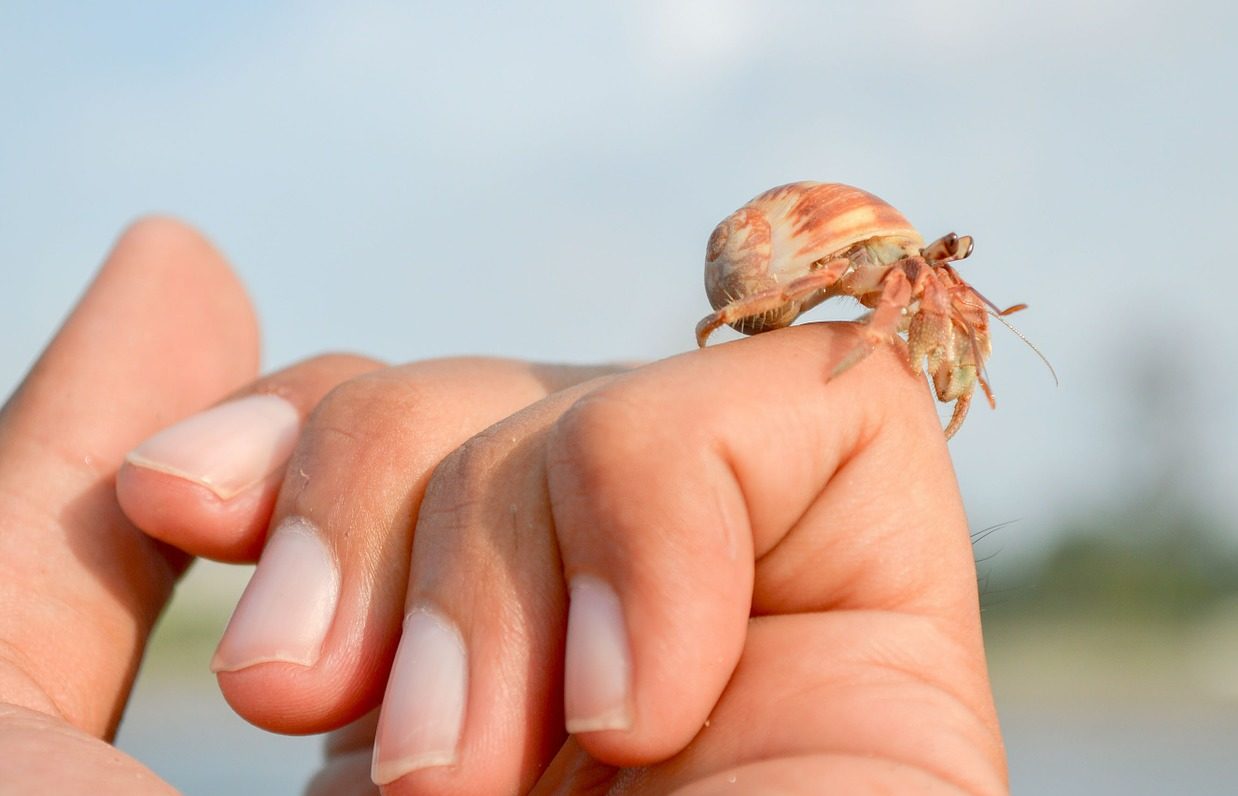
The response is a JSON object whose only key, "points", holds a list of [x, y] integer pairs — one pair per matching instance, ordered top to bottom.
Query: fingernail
{"points": [[227, 448], [288, 605], [597, 664], [423, 709]]}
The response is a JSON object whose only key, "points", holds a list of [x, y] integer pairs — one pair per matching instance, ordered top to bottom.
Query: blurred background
{"points": [[413, 180]]}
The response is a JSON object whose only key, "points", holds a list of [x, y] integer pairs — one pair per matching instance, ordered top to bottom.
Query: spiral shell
{"points": [[778, 235]]}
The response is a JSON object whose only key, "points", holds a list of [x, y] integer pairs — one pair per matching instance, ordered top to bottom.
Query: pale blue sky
{"points": [[416, 180]]}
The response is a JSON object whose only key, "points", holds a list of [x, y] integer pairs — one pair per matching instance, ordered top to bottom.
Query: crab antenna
{"points": [[997, 310], [1000, 314], [1028, 343]]}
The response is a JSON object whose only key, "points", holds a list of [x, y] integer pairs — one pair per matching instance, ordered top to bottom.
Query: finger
{"points": [[164, 330], [669, 483], [207, 484], [311, 640], [842, 690], [830, 697], [474, 701], [355, 737], [349, 752], [43, 754], [344, 775], [803, 775]]}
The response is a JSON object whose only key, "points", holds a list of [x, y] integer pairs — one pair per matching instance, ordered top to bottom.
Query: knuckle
{"points": [[334, 361], [301, 384], [369, 410], [362, 434], [594, 438], [470, 464], [461, 481], [471, 515]]}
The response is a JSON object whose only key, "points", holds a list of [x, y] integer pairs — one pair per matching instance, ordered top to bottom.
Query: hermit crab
{"points": [[793, 247]]}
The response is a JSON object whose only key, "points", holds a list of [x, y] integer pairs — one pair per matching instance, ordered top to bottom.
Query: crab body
{"points": [[793, 247]]}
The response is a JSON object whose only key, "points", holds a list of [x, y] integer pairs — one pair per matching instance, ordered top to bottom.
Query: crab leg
{"points": [[794, 291], [884, 323], [930, 333], [973, 360], [960, 411]]}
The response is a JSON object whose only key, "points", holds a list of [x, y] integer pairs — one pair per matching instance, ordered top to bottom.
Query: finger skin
{"points": [[358, 476], [188, 516], [79, 586], [838, 697], [357, 736], [349, 752], [43, 754], [345, 774], [803, 776]]}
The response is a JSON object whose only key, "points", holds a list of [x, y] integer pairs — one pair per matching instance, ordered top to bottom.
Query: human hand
{"points": [[164, 331], [757, 579]]}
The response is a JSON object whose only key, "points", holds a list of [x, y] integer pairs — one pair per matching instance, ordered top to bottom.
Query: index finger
{"points": [[208, 484], [679, 485]]}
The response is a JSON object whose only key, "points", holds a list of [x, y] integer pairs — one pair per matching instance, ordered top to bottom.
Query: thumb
{"points": [[164, 330]]}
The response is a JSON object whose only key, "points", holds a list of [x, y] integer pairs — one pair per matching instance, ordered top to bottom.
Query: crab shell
{"points": [[780, 234]]}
